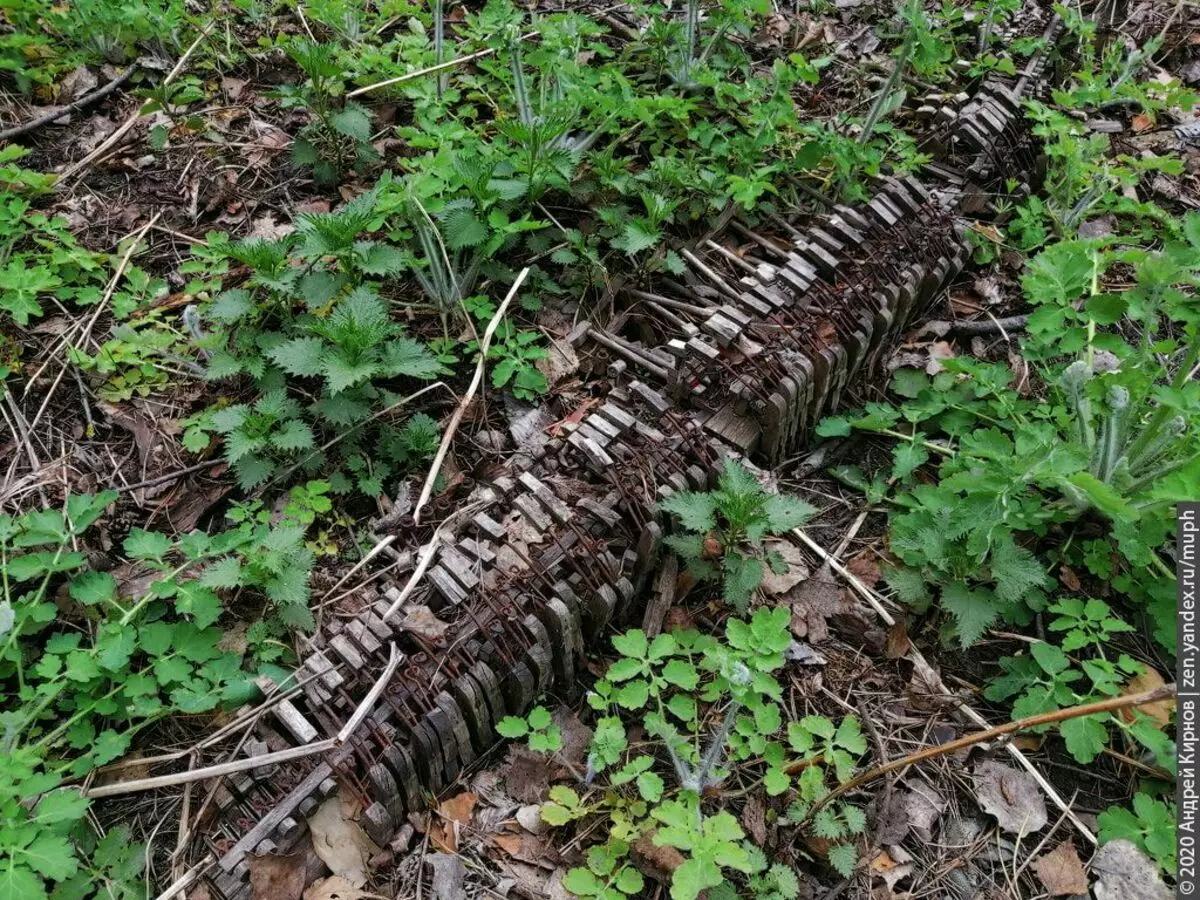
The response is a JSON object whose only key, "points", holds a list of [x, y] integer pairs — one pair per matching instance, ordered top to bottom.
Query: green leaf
{"points": [[353, 121], [636, 237], [302, 356], [406, 356], [342, 373], [909, 382], [833, 426], [908, 456], [696, 512], [785, 513], [148, 545], [743, 575], [908, 584], [92, 588], [973, 611], [632, 643], [680, 673], [539, 718], [512, 727], [1085, 737], [776, 782], [650, 787], [61, 806], [50, 855], [843, 858], [692, 877], [18, 883]]}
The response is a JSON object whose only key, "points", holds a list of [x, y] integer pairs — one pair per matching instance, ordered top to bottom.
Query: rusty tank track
{"points": [[740, 355]]}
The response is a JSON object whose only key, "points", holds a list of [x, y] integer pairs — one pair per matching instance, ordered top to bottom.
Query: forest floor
{"points": [[246, 276]]}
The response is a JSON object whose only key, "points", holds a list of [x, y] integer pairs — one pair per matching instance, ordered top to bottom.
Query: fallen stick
{"points": [[429, 70], [55, 114], [485, 343], [1111, 704], [253, 762]]}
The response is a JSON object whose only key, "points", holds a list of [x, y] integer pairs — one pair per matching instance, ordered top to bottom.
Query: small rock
{"points": [[530, 818]]}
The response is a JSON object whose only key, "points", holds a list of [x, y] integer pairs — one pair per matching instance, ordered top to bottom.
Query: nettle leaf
{"points": [[353, 121], [636, 237], [382, 259], [300, 356], [407, 356], [342, 373], [294, 435], [696, 512], [785, 513], [743, 575], [909, 585], [973, 610], [843, 858]]}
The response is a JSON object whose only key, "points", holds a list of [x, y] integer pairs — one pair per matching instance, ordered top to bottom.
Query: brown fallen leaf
{"points": [[1142, 122], [865, 568], [795, 572], [1069, 578], [813, 602], [421, 621], [896, 644], [1160, 711], [527, 775], [1011, 796], [452, 814], [754, 819], [339, 840], [509, 843], [655, 862], [889, 868], [1061, 872], [277, 877], [335, 887]]}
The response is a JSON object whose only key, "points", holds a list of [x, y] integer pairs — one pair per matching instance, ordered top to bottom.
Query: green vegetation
{"points": [[1029, 485], [725, 530], [150, 646], [675, 687]]}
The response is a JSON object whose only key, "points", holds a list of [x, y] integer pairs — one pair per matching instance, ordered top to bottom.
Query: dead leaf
{"points": [[77, 83], [1142, 122], [268, 229], [559, 364], [865, 569], [795, 572], [1069, 578], [813, 602], [421, 621], [897, 644], [1160, 710], [576, 737], [527, 775], [1013, 797], [923, 807], [452, 813], [530, 818], [754, 819], [339, 840], [509, 843], [657, 863], [889, 868], [1061, 872], [449, 873], [1126, 874], [277, 877], [335, 887]]}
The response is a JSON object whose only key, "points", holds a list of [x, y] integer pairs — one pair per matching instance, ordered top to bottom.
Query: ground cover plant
{"points": [[233, 341]]}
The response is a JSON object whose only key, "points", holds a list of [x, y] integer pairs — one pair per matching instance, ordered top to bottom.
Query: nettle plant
{"points": [[337, 138], [312, 331], [724, 531], [86, 666], [674, 687]]}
